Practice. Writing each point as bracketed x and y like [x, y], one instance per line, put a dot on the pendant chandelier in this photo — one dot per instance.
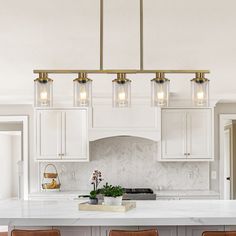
[121, 87]
[121, 96]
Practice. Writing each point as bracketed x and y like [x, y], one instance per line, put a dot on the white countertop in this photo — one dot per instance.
[66, 213]
[159, 193]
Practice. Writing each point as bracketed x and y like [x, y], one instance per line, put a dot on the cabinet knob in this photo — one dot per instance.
[188, 154]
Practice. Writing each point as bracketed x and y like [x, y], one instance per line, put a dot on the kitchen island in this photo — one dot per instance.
[172, 218]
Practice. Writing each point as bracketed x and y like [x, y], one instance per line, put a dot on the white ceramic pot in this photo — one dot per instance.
[113, 201]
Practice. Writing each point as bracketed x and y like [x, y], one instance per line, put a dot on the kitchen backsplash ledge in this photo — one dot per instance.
[132, 162]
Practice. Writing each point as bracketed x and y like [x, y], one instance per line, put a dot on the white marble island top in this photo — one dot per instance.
[147, 213]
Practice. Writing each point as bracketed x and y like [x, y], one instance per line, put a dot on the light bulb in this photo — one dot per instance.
[121, 96]
[160, 95]
[83, 95]
[200, 98]
[200, 95]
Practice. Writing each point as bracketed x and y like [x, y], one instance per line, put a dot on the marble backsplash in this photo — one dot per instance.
[132, 162]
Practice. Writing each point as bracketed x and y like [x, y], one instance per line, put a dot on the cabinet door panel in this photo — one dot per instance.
[162, 230]
[198, 230]
[105, 230]
[74, 136]
[75, 231]
[48, 135]
[199, 133]
[173, 134]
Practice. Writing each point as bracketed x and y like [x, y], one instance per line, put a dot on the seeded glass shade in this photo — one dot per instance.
[160, 91]
[82, 91]
[121, 92]
[200, 92]
[43, 91]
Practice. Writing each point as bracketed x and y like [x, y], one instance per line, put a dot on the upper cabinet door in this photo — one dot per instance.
[199, 133]
[48, 131]
[121, 34]
[75, 135]
[173, 134]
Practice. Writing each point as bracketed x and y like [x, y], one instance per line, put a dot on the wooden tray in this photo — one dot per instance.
[126, 206]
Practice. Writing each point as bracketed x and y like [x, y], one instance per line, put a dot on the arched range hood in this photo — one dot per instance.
[138, 121]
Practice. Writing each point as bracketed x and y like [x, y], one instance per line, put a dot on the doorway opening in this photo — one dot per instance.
[228, 156]
[14, 157]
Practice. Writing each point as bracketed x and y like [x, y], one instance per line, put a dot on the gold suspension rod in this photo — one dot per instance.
[121, 71]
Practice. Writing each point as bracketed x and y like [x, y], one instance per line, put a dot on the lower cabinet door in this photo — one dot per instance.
[75, 231]
[198, 230]
[105, 230]
[162, 230]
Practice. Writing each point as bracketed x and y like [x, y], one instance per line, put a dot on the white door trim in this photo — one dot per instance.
[25, 151]
[221, 140]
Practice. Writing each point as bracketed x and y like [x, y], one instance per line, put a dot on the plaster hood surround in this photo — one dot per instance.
[139, 120]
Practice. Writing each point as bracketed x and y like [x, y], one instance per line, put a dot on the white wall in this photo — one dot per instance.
[10, 154]
[5, 167]
[184, 34]
[16, 157]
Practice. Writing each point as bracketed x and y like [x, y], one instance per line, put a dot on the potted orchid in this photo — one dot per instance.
[96, 178]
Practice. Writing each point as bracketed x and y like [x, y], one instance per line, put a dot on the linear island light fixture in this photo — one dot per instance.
[121, 87]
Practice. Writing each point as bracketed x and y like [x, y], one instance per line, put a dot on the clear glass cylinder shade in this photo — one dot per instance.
[43, 93]
[121, 93]
[160, 93]
[200, 93]
[83, 93]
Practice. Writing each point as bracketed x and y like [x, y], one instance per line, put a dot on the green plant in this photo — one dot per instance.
[93, 194]
[112, 191]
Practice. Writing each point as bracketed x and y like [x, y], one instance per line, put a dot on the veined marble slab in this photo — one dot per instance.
[147, 213]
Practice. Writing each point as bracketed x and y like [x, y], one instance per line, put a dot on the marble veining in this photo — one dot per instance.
[132, 162]
[147, 213]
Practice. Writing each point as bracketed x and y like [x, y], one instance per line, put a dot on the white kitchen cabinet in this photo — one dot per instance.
[62, 135]
[186, 134]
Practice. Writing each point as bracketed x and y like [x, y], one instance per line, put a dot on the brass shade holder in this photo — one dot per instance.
[43, 77]
[82, 78]
[200, 78]
[121, 78]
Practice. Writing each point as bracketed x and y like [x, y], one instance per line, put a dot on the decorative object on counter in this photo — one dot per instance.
[112, 195]
[96, 179]
[43, 91]
[125, 206]
[93, 197]
[51, 180]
